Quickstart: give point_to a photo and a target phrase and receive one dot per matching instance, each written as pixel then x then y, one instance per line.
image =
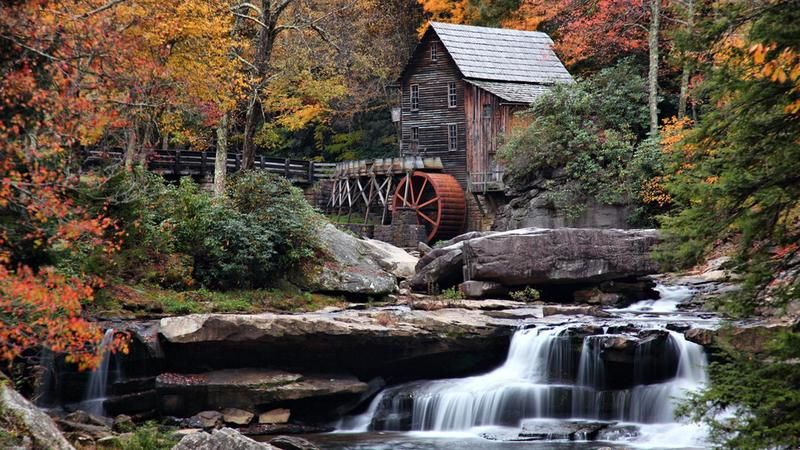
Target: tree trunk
pixel 147 143
pixel 683 97
pixel 220 162
pixel 652 76
pixel 130 148
pixel 264 43
pixel 248 147
pixel 687 68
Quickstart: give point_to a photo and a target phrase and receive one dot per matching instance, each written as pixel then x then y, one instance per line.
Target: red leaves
pixel 52 96
pixel 44 309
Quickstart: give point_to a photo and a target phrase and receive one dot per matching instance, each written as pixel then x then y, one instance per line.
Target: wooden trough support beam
pixel 386 197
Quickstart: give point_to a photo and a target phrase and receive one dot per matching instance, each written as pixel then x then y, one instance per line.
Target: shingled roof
pixel 499 54
pixel 510 91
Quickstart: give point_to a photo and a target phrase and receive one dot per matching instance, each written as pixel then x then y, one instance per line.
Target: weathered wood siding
pixel 434 115
pixel 488 121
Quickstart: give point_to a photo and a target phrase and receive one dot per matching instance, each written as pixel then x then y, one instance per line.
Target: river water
pixel 603 390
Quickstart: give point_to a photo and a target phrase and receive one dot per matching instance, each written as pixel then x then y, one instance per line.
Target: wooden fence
pixel 201 163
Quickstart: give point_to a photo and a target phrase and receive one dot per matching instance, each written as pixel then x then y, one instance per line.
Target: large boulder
pixel 356 266
pixel 20 417
pixel 223 439
pixel 440 269
pixel 292 443
pixel 537 256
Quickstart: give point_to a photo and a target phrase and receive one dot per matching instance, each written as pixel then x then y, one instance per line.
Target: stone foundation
pixel 404 231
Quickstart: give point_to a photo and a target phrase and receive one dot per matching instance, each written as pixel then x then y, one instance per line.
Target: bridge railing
pixel 201 163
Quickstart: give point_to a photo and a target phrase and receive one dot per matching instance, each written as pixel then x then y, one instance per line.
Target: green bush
pixel 528 294
pixel 281 209
pixel 584 141
pixel 451 294
pixel 180 236
pixel 229 249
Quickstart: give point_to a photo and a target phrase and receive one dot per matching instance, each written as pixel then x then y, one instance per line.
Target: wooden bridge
pixel 179 163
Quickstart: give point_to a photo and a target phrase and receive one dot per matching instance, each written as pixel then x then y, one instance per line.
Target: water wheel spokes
pixel 438 201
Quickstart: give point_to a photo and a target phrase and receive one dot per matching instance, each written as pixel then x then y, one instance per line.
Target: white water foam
pixel 530 384
pixel 97 388
pixel 669 299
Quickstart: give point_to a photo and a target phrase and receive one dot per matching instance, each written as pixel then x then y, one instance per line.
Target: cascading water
pixel 551 373
pixel 97 387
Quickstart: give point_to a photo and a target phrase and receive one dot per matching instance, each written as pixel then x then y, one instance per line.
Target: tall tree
pixel 59 62
pixel 652 73
pixel 735 175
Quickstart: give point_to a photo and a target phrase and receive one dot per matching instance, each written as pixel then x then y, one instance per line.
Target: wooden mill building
pixel 460 90
pixel 459 93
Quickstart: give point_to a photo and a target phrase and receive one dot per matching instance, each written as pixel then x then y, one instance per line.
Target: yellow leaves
pixel 783 67
pixel 673 133
pixel 654 192
pixel 300 99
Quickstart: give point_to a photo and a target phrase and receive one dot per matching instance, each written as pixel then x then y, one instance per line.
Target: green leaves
pixel 753 402
pixel 584 139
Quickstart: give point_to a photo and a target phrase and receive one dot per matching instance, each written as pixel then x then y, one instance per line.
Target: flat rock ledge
pixel 247 389
pixel 367 343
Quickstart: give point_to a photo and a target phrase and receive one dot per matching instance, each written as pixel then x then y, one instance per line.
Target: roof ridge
pixel 479 27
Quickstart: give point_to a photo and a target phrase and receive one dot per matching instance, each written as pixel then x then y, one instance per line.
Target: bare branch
pixel 245 16
pixel 100 9
pixel 248 5
pixel 38 52
pixel 248 63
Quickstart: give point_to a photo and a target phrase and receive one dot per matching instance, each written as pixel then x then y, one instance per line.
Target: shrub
pixel 528 294
pixel 281 208
pixel 451 294
pixel 229 249
pixel 179 236
pixel 584 142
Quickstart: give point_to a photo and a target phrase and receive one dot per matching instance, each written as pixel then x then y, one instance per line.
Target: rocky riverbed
pixel 362 366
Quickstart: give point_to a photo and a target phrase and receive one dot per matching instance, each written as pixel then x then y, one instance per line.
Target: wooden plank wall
pixel 434 114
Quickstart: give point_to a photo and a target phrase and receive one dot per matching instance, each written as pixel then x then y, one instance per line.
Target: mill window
pixel 415 133
pixel 452 137
pixel 451 95
pixel 414 97
pixel 434 55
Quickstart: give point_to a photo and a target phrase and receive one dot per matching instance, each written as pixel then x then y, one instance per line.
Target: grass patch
pixel 144 300
pixel 149 436
pixel 356 218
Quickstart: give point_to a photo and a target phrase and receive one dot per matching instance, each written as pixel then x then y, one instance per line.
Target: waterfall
pixel 97 387
pixel 549 373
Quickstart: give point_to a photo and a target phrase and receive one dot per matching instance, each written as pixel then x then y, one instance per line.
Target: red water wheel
pixel 438 200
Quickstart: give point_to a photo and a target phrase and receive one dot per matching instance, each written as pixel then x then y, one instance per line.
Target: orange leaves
pixel 780 67
pixel 61 67
pixel 531 13
pixel 673 133
pixel 44 309
pixel 654 192
pixel 453 11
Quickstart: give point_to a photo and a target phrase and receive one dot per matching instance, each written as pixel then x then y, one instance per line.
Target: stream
pixel 585 383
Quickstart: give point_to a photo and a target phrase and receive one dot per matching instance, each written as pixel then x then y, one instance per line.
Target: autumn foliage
pixel 57 92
